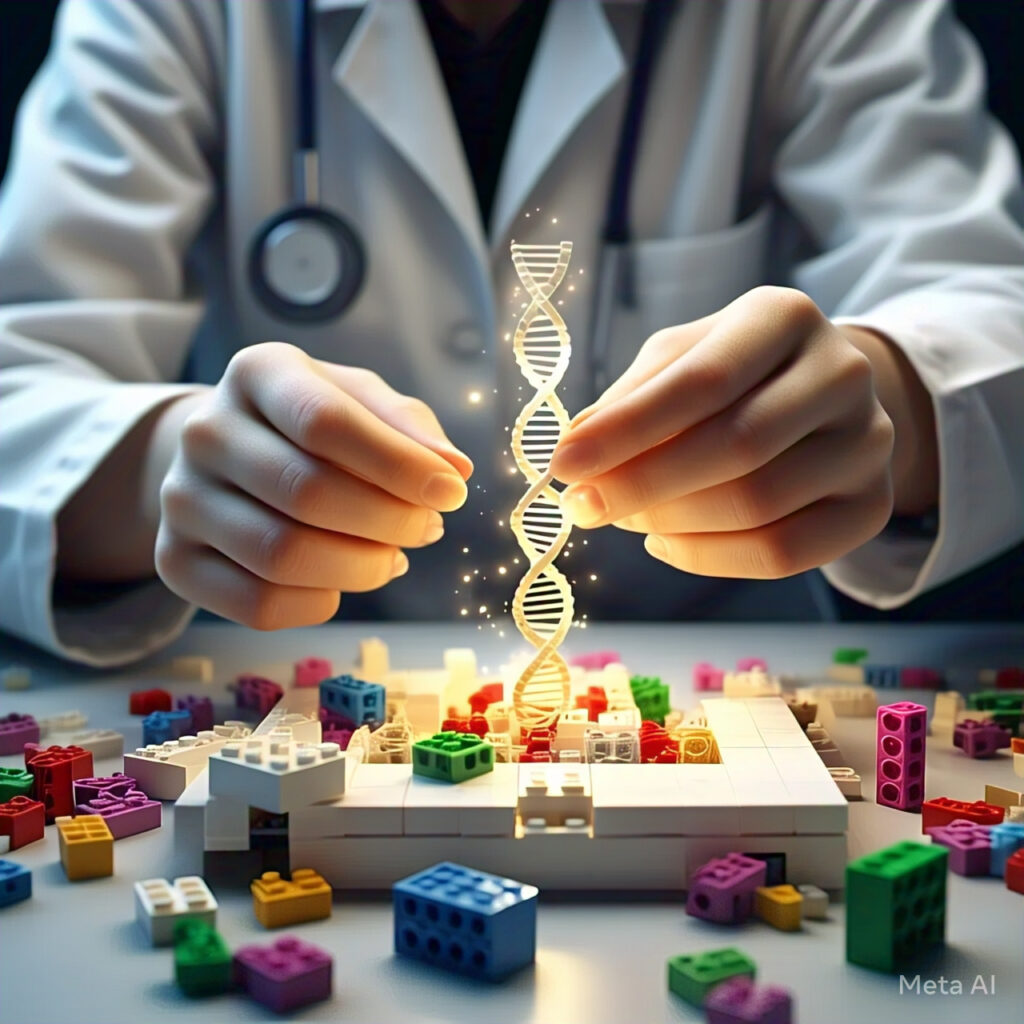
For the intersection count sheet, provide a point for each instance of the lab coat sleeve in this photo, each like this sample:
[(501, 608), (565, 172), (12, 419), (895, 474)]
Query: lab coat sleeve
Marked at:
[(910, 195), (108, 185)]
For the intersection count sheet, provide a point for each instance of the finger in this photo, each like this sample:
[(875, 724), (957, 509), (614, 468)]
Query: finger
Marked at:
[(403, 412), (324, 420), (749, 341), (265, 464), (207, 578), (727, 446), (806, 539), (276, 548), (821, 465)]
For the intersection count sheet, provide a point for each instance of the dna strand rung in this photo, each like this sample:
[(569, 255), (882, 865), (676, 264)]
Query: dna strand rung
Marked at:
[(542, 606)]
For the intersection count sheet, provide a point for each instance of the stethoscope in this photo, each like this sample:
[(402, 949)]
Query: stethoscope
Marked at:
[(307, 263)]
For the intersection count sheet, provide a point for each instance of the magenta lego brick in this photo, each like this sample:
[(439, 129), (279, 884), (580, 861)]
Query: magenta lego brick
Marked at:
[(257, 694), (722, 890), (969, 845), (125, 815), (334, 720), (900, 754), (916, 677), (105, 785), (339, 736), (285, 975), (749, 664), (707, 678), (742, 1001), (17, 730), (312, 671), (201, 709), (980, 739), (594, 660)]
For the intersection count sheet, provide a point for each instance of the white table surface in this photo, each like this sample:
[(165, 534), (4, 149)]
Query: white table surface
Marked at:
[(72, 953)]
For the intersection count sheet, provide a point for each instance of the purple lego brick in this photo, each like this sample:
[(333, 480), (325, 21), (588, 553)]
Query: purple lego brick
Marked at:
[(900, 743), (288, 974), (17, 730), (706, 677), (980, 739), (969, 845), (312, 671), (201, 709), (723, 889), (115, 785), (256, 694), (743, 1001), (125, 815), (749, 664)]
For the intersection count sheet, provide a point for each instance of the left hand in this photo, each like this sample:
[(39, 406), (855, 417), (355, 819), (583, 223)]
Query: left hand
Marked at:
[(751, 443)]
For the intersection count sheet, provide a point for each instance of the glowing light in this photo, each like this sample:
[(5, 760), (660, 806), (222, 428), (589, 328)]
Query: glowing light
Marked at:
[(483, 609), (502, 570), (466, 578), (463, 611), (554, 220), (593, 575), (465, 551)]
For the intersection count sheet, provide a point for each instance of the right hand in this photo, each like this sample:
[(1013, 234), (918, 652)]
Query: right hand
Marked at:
[(296, 480)]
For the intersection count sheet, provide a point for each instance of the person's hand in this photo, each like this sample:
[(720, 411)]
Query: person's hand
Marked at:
[(296, 480), (751, 443)]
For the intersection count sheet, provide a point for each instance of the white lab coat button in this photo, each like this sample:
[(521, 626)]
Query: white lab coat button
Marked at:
[(465, 341)]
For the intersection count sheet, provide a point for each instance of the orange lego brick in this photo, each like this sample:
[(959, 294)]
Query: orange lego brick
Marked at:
[(780, 906), (86, 847), (277, 903)]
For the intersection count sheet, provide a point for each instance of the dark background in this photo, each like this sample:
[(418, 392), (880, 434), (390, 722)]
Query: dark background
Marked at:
[(994, 591)]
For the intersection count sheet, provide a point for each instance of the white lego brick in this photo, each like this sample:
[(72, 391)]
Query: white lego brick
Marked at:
[(755, 683), (193, 668), (772, 715), (5, 845), (190, 826), (1002, 797), (460, 664), (818, 807), (815, 903), (226, 824), (1015, 814), (163, 770), (160, 904), (302, 728), (798, 764), (762, 800), (373, 659), (65, 721), (555, 792), (371, 806), (15, 677), (277, 776), (483, 805), (620, 720), (731, 723), (847, 781), (843, 673), (1018, 765), (101, 743), (849, 701)]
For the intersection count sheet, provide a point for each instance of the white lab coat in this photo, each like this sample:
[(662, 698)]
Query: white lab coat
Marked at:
[(837, 146)]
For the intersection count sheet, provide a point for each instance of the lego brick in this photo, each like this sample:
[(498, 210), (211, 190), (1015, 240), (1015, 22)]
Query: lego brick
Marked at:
[(848, 701), (193, 668), (1018, 765), (254, 693), (277, 902), (885, 677), (815, 902), (17, 730), (201, 710), (755, 683), (722, 890), (144, 702), (611, 745), (707, 678), (1015, 872), (1015, 814), (484, 805), (277, 776), (311, 671), (895, 904), (103, 744), (847, 781), (22, 820), (452, 757), (556, 795), (741, 1001), (917, 677), (161, 726), (848, 655), (465, 920), (781, 906), (303, 728), (731, 723), (284, 976), (980, 739), (373, 659), (126, 815), (54, 769), (225, 824), (15, 782), (1006, 839), (86, 847), (371, 806), (358, 701), (762, 798), (693, 976), (15, 677), (900, 755), (948, 706), (1001, 797), (843, 673), (15, 883), (160, 904), (163, 771), (651, 696), (202, 961), (1017, 745), (943, 809)]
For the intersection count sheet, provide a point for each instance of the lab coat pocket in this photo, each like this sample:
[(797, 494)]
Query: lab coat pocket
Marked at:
[(676, 280)]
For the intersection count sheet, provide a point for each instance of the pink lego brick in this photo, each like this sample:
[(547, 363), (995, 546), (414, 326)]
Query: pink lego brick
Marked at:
[(17, 730), (125, 815), (742, 1001), (594, 660), (980, 739), (107, 785), (722, 890), (706, 677), (969, 845), (201, 709), (900, 747), (914, 677), (288, 974), (312, 671), (339, 736), (749, 664)]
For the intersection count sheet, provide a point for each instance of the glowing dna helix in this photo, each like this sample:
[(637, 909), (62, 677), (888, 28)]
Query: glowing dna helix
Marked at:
[(542, 606)]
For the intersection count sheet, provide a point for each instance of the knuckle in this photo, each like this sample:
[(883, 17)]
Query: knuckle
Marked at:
[(882, 433), (299, 487), (176, 499), (856, 369), (747, 503), (773, 556), (639, 490), (200, 431), (791, 304), (168, 556), (661, 341), (747, 440), (315, 416), (708, 376), (412, 406), (278, 554)]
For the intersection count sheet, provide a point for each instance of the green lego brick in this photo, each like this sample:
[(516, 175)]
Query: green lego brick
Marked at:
[(15, 782), (452, 757), (651, 696), (1005, 706), (202, 960), (848, 655), (895, 904), (693, 976)]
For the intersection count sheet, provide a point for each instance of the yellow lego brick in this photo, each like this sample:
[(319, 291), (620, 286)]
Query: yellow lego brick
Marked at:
[(780, 906), (86, 847), (277, 903)]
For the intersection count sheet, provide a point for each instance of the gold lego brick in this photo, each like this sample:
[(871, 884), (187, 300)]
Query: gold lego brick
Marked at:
[(278, 903), (780, 906), (86, 847)]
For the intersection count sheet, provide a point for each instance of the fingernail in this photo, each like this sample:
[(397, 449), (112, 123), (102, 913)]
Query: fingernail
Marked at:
[(443, 492), (584, 506), (575, 460), (656, 546), (400, 566), (434, 529)]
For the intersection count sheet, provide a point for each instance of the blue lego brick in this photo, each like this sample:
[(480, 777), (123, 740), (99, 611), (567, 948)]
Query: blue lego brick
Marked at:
[(1005, 839), (886, 677), (15, 883), (466, 921), (360, 702), (161, 726)]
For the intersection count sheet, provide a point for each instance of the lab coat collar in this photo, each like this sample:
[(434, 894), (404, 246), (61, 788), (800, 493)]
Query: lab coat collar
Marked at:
[(389, 69)]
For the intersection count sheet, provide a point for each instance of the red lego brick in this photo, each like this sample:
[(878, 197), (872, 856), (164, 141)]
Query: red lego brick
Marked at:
[(455, 724), (145, 702), (22, 820), (541, 757), (55, 769), (478, 703), (1010, 678), (595, 700), (942, 810), (1017, 745), (1015, 871), (478, 724)]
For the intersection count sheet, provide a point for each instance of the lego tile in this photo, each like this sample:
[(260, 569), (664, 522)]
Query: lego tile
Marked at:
[(731, 723), (372, 806), (160, 904)]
